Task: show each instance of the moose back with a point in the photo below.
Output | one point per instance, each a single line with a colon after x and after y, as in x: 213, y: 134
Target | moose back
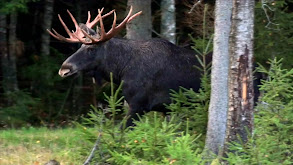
x: 149, y: 69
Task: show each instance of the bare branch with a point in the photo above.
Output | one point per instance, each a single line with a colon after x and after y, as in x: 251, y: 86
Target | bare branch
x: 195, y: 4
x: 96, y: 146
x: 266, y: 8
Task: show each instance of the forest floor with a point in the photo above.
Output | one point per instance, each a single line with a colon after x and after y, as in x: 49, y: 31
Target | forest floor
x: 36, y: 146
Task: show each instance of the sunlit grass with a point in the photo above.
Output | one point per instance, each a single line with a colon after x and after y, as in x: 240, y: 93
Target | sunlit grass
x: 36, y: 146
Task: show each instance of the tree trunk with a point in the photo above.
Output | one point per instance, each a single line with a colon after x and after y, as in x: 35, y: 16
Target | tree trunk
x: 13, y: 84
x: 219, y: 78
x: 240, y: 114
x: 45, y: 46
x: 47, y: 23
x: 168, y: 20
x: 141, y: 27
x: 3, y: 51
x: 8, y: 55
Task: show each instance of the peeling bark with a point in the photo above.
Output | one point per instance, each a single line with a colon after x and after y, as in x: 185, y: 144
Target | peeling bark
x: 240, y: 113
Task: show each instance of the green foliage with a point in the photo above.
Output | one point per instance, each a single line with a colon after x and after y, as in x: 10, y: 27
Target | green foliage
x: 278, y: 88
x: 109, y: 134
x: 42, y: 100
x: 21, y: 108
x: 146, y: 142
x: 274, y: 119
x: 189, y: 105
x: 273, y: 31
x: 153, y: 140
x: 157, y: 142
x: 183, y: 149
x: 202, y: 46
x: 43, y: 71
x: 43, y: 82
x: 113, y: 101
x: 12, y: 6
x: 271, y: 142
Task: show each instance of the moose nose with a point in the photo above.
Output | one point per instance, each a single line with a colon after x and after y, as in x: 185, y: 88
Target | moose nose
x: 66, y: 70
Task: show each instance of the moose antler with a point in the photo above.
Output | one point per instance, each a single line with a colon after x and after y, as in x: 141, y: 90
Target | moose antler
x: 79, y: 35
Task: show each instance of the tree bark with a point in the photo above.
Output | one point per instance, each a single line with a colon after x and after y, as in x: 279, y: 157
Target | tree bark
x: 8, y: 54
x: 240, y: 113
x: 141, y: 27
x: 13, y: 83
x: 45, y: 45
x: 3, y: 51
x: 168, y: 20
x: 219, y: 78
x: 47, y: 23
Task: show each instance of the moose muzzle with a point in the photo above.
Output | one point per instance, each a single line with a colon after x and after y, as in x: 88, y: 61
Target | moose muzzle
x: 67, y: 70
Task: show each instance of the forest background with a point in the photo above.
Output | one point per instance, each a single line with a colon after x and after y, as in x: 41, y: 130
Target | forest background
x: 36, y: 95
x: 33, y: 95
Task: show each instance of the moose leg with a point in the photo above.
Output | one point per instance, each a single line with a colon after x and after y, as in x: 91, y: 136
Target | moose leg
x: 138, y: 102
x: 132, y: 115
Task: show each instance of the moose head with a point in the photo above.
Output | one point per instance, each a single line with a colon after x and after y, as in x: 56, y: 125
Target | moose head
x: 84, y: 58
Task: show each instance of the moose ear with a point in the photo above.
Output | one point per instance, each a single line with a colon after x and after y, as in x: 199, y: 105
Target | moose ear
x: 87, y: 30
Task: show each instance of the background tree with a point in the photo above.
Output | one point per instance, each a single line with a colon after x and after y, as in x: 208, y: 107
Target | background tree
x: 8, y: 55
x: 240, y: 114
x: 140, y: 28
x: 12, y: 82
x: 3, y: 50
x: 47, y: 23
x: 45, y: 50
x: 168, y: 20
x: 219, y: 78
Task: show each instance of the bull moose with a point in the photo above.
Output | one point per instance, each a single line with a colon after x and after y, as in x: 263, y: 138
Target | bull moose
x: 148, y: 68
